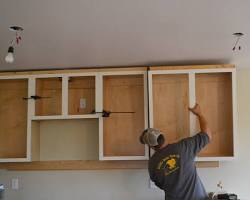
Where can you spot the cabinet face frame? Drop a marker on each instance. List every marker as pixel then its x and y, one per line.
pixel 192 99
pixel 101 139
pixel 65 92
pixel 25 159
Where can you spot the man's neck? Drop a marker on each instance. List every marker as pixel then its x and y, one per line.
pixel 164 145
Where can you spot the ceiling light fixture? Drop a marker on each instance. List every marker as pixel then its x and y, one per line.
pixel 238 37
pixel 15 41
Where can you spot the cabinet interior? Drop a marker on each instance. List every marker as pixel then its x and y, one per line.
pixel 170 105
pixel 214 94
pixel 81 95
pixel 13 118
pixel 121 131
pixel 50 91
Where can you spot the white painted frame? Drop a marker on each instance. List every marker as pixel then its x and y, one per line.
pixel 31 105
pixel 100 102
pixel 192 99
pixel 65 92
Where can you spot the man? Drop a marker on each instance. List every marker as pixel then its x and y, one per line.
pixel 172 167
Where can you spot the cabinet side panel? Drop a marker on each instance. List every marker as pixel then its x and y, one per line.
pixel 122 130
pixel 13 118
pixel 214 94
pixel 170 105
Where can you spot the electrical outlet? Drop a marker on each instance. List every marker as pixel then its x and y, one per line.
pixel 14 184
pixel 83 103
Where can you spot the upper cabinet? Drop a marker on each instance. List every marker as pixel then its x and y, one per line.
pixel 124 96
pixel 172 91
pixel 100 114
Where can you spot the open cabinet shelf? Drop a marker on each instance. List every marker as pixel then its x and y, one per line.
pixel 71 139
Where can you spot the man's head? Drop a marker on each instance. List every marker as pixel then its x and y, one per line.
pixel 153 138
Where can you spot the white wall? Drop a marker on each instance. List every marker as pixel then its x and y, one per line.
pixel 133 184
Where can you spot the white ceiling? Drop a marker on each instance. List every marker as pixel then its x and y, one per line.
pixel 88 33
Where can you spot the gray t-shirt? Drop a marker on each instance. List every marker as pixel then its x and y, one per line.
pixel 173 169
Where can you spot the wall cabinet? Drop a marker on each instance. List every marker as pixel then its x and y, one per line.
pixel 171 92
pixel 125 96
pixel 92 115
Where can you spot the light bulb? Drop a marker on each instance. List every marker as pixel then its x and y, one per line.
pixel 10 56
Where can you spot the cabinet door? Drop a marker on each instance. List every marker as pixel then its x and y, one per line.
pixel 49 92
pixel 124 95
pixel 13 118
pixel 169 103
pixel 214 94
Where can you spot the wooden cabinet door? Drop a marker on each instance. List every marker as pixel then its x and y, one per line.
pixel 125 96
pixel 13 119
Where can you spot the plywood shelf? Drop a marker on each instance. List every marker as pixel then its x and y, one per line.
pixel 53 117
pixel 88 165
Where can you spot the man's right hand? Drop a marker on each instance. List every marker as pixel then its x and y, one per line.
pixel 203 122
pixel 196 109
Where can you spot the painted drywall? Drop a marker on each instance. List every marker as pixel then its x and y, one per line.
pixel 78 139
pixel 133 184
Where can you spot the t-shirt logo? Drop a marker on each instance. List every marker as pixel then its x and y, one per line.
pixel 169 164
